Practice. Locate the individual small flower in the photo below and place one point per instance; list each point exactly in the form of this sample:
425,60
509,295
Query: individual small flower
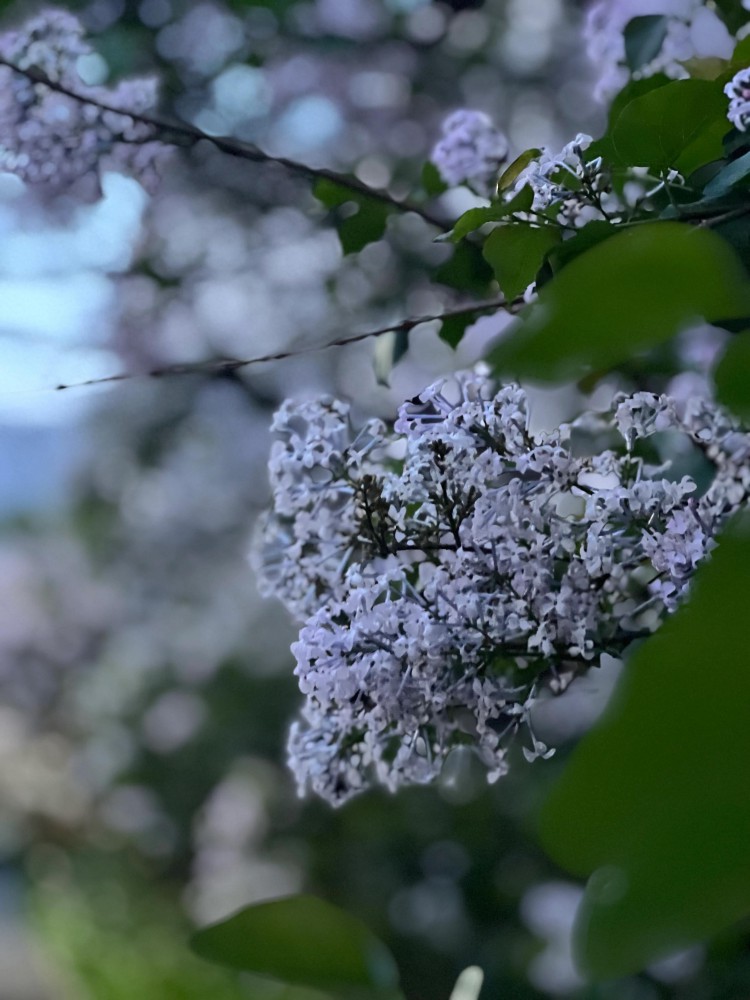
738,92
471,151
51,139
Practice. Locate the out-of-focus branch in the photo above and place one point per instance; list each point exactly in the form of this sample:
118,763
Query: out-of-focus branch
186,135
226,366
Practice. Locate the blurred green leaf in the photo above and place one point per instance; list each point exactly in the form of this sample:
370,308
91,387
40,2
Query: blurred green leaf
733,14
644,37
453,328
630,293
432,182
732,376
305,941
655,800
679,125
366,222
466,270
736,232
389,350
516,253
741,55
593,233
119,936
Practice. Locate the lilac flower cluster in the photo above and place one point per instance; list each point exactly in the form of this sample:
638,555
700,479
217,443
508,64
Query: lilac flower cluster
48,137
576,190
738,92
693,31
564,184
471,151
449,572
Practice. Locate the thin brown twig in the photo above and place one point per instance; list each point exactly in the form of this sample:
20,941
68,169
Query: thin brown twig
227,366
187,135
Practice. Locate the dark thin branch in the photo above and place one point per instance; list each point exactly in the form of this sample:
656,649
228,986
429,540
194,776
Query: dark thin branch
227,366
718,220
187,135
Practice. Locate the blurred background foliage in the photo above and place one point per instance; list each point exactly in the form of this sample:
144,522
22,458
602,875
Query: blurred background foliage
145,688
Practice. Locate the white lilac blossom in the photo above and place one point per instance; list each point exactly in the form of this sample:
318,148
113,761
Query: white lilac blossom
572,189
575,189
693,31
471,151
738,92
49,138
442,591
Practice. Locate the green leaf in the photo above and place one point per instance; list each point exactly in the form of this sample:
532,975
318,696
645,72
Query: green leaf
655,800
453,328
432,182
366,222
474,218
304,941
733,14
735,173
644,37
630,293
736,232
466,270
732,376
679,125
592,234
513,171
741,55
516,253
632,89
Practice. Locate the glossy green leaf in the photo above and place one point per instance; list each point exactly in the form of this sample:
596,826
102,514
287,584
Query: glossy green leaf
630,293
364,223
732,376
305,941
644,37
732,175
655,801
516,253
679,125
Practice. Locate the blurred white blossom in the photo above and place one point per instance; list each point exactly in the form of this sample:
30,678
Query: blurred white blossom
471,150
693,31
51,139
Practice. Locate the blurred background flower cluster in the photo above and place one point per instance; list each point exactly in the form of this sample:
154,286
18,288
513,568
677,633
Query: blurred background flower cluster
145,687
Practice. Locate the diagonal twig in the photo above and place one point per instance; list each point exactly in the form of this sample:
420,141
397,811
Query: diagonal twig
187,135
226,366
